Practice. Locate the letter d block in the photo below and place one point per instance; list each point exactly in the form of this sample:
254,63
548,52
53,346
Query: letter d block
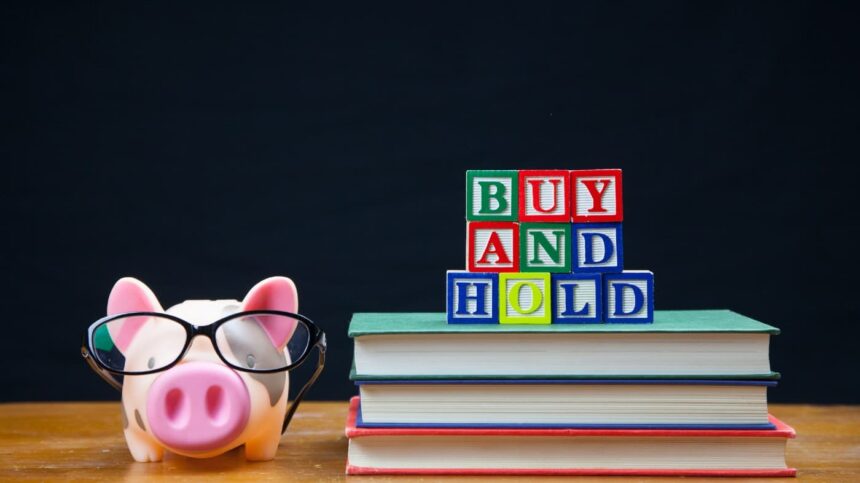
577,298
524,298
629,297
473,298
597,248
492,195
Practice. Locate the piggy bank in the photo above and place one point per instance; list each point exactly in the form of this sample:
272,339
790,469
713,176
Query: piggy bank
204,376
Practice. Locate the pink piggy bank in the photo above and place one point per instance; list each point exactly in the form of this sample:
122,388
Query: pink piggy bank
205,376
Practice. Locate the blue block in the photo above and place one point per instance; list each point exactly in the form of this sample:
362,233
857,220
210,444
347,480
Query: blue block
629,297
473,298
577,298
597,248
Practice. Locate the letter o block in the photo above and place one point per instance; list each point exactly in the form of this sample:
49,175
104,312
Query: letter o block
492,195
629,297
525,298
492,246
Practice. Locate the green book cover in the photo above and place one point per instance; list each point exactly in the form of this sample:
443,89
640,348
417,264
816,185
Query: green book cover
370,323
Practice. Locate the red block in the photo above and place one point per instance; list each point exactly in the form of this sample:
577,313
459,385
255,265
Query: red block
544,195
596,196
493,246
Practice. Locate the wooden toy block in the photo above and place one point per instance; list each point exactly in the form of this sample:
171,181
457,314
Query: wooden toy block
473,298
492,195
596,196
597,247
629,297
577,298
492,246
545,247
544,195
525,298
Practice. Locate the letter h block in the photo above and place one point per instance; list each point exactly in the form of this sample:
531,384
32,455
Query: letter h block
473,298
492,195
629,297
492,246
596,196
597,248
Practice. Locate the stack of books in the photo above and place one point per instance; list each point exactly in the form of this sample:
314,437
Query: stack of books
564,373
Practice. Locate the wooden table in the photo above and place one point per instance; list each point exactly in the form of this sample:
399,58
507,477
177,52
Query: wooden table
83,441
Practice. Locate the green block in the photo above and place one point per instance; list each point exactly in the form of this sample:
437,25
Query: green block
525,298
545,247
492,195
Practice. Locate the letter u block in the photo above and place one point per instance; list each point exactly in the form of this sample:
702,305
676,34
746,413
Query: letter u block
524,298
629,297
596,196
492,246
473,298
544,196
492,195
597,248
545,247
577,298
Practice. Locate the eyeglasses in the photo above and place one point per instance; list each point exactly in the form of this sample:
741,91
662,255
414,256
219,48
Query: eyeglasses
257,341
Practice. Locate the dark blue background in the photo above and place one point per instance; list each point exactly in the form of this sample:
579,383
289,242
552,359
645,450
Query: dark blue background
202,148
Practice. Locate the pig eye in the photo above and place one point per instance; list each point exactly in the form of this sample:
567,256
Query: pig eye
150,363
251,360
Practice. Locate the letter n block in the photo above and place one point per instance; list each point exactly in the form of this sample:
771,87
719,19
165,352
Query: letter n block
492,195
473,298
577,298
524,298
629,297
544,195
597,247
492,246
596,196
545,247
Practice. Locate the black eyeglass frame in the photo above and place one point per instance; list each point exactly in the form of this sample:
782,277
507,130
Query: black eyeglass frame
317,339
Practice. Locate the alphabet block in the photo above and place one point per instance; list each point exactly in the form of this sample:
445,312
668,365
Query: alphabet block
596,196
492,195
597,247
545,247
577,298
629,297
544,195
473,298
493,246
524,298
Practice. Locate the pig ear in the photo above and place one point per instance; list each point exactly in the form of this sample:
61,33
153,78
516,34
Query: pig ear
129,295
275,293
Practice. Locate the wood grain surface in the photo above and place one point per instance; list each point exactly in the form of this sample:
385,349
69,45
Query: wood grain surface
83,441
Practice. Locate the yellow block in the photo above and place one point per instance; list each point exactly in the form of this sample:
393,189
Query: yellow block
525,298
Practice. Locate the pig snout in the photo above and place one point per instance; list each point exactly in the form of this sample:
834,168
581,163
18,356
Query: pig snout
198,406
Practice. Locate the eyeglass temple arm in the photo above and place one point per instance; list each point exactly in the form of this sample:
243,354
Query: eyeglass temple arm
107,376
321,346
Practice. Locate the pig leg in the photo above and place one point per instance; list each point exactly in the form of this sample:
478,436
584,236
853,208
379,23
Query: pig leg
264,446
142,447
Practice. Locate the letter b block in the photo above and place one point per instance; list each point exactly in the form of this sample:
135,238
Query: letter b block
473,297
597,248
524,298
545,247
492,246
629,297
491,195
577,298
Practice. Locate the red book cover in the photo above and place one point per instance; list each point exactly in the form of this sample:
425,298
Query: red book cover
782,431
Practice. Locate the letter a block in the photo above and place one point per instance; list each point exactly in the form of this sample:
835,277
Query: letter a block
473,297
491,195
545,247
597,248
596,196
544,195
577,298
492,246
524,298
629,297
